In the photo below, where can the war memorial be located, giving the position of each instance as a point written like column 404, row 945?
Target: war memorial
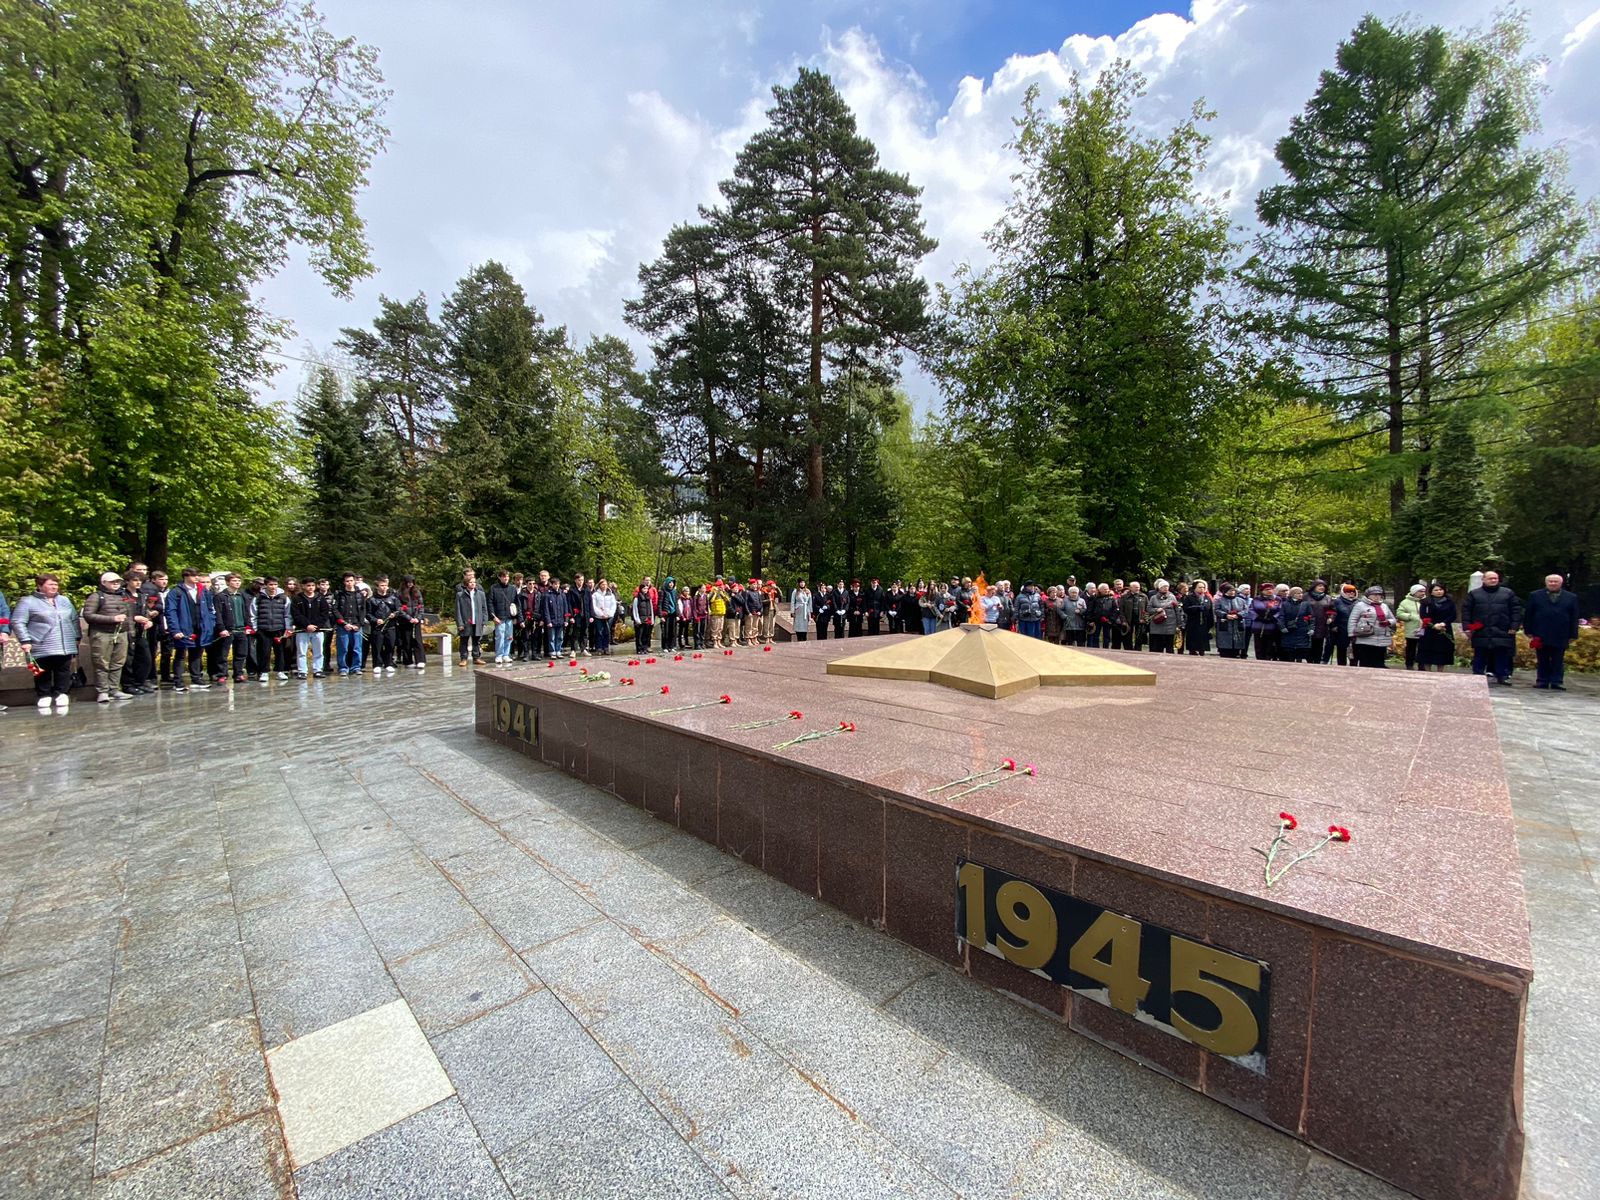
column 1327, row 934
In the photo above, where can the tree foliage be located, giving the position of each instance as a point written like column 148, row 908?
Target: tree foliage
column 1096, row 346
column 1413, row 225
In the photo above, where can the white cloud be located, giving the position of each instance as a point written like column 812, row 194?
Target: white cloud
column 568, row 140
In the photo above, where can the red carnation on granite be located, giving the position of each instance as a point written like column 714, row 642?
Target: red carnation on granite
column 677, row 658
column 633, row 662
column 572, row 662
column 729, row 653
column 697, row 654
column 766, row 649
column 625, row 681
column 725, row 699
column 649, row 661
column 795, row 714
column 1338, row 833
column 1029, row 769
column 1288, row 820
column 665, row 689
column 549, row 666
column 1008, row 764
column 848, row 726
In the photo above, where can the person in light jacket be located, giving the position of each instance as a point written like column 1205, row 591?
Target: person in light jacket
column 1165, row 616
column 1372, row 626
column 1409, row 613
column 603, row 604
column 800, row 610
column 45, row 625
column 1233, row 634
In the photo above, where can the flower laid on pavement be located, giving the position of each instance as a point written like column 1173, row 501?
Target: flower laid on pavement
column 1005, row 773
column 817, row 734
column 597, row 677
column 1006, row 764
column 1287, row 825
column 795, row 715
column 697, row 654
column 724, row 699
column 766, row 649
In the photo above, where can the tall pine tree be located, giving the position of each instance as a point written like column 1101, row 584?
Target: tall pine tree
column 809, row 196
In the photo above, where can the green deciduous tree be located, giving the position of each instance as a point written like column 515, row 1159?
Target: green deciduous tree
column 160, row 157
column 1413, row 225
column 1096, row 345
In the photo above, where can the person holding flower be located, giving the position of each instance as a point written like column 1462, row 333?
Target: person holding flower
column 1372, row 626
column 1437, row 645
column 45, row 625
column 1409, row 614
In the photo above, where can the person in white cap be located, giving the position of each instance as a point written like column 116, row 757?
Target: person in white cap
column 112, row 614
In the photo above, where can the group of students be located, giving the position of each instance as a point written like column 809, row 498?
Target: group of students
column 539, row 616
column 141, row 631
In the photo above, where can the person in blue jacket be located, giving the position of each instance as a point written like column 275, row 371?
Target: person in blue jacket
column 191, row 627
column 1550, row 619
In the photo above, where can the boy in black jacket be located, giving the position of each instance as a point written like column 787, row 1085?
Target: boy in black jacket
column 273, row 631
column 383, row 611
column 313, row 616
column 350, row 619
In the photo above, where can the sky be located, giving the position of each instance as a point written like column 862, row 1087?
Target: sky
column 565, row 140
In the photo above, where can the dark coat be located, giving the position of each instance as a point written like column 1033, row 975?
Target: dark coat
column 504, row 600
column 315, row 609
column 1197, row 617
column 1438, row 647
column 1296, row 619
column 349, row 608
column 1497, row 612
column 1552, row 619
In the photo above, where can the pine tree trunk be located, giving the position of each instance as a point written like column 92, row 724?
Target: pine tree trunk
column 814, row 479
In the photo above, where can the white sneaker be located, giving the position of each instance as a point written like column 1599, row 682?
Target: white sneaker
column 44, row 704
column 62, row 702
column 388, row 670
column 283, row 674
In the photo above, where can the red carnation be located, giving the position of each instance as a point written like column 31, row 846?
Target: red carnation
column 633, row 662
column 795, row 714
column 725, row 699
column 665, row 689
column 1008, row 764
column 1029, row 769
column 677, row 658
column 572, row 662
column 729, row 653
column 1338, row 833
column 1427, row 621
column 1536, row 643
column 766, row 649
column 649, row 661
column 847, row 726
column 1474, row 627
column 697, row 654
column 625, row 681
column 549, row 666
column 1288, row 821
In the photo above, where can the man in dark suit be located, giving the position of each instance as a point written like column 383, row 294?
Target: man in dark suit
column 1551, row 623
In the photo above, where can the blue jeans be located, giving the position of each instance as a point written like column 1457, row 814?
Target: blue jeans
column 554, row 647
column 349, row 642
column 502, row 640
column 1033, row 629
column 929, row 625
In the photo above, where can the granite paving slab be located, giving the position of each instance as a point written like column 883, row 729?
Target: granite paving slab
column 209, row 824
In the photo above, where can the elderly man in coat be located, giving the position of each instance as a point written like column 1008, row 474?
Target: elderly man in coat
column 1551, row 623
column 1491, row 617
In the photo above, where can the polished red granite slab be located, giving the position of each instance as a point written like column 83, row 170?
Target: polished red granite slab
column 1179, row 781
column 1399, row 963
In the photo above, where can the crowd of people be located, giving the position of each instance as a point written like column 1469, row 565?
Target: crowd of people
column 138, row 630
column 142, row 631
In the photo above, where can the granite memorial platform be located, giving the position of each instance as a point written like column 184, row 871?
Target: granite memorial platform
column 1369, row 1002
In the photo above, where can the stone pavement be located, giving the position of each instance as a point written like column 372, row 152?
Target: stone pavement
column 321, row 940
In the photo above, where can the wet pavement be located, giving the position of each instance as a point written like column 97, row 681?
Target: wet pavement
column 321, row 940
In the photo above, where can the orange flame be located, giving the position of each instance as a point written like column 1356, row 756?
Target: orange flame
column 980, row 587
